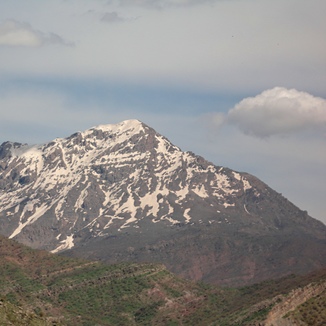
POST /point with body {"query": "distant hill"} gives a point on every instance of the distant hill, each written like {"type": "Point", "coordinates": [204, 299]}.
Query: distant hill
{"type": "Point", "coordinates": [38, 288]}
{"type": "Point", "coordinates": [123, 192]}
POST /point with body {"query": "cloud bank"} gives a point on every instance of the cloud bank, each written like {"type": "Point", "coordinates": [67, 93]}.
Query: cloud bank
{"type": "Point", "coordinates": [14, 33]}
{"type": "Point", "coordinates": [278, 111]}
{"type": "Point", "coordinates": [188, 44]}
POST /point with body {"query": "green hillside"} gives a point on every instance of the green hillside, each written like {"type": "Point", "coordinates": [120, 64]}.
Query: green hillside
{"type": "Point", "coordinates": [38, 288]}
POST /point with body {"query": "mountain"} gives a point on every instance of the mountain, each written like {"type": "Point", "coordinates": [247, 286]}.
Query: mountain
{"type": "Point", "coordinates": [125, 193]}
{"type": "Point", "coordinates": [39, 288]}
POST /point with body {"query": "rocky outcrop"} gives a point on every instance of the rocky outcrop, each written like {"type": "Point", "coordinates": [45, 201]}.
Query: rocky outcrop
{"type": "Point", "coordinates": [278, 316]}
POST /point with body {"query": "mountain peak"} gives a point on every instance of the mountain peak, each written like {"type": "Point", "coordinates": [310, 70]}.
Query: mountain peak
{"type": "Point", "coordinates": [128, 183]}
{"type": "Point", "coordinates": [126, 126]}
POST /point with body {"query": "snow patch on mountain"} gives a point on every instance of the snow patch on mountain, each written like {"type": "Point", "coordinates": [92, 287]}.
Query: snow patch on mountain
{"type": "Point", "coordinates": [110, 177]}
{"type": "Point", "coordinates": [38, 212]}
{"type": "Point", "coordinates": [68, 243]}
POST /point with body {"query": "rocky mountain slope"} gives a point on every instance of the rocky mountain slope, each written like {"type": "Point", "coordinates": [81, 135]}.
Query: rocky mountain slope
{"type": "Point", "coordinates": [125, 193]}
{"type": "Point", "coordinates": [38, 288]}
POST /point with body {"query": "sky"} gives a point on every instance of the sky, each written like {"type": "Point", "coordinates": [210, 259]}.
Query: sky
{"type": "Point", "coordinates": [239, 82]}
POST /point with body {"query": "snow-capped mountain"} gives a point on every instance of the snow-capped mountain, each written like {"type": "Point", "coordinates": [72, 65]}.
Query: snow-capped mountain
{"type": "Point", "coordinates": [123, 191]}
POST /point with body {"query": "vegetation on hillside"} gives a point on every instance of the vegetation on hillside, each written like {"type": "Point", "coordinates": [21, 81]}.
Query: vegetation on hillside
{"type": "Point", "coordinates": [38, 288]}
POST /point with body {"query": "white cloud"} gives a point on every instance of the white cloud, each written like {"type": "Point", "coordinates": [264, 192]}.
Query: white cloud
{"type": "Point", "coordinates": [14, 33]}
{"type": "Point", "coordinates": [278, 111]}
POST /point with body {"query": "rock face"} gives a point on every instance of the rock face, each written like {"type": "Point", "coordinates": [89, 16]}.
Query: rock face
{"type": "Point", "coordinates": [124, 192]}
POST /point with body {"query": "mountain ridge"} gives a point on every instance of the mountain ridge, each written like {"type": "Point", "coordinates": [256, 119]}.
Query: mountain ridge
{"type": "Point", "coordinates": [124, 192]}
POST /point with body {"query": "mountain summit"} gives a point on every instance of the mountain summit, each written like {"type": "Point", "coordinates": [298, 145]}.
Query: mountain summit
{"type": "Point", "coordinates": [124, 192]}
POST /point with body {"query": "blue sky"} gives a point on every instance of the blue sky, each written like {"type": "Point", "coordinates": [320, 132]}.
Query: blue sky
{"type": "Point", "coordinates": [241, 83]}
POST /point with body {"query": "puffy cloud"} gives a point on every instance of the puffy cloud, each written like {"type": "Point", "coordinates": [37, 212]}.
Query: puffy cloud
{"type": "Point", "coordinates": [278, 111]}
{"type": "Point", "coordinates": [14, 33]}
